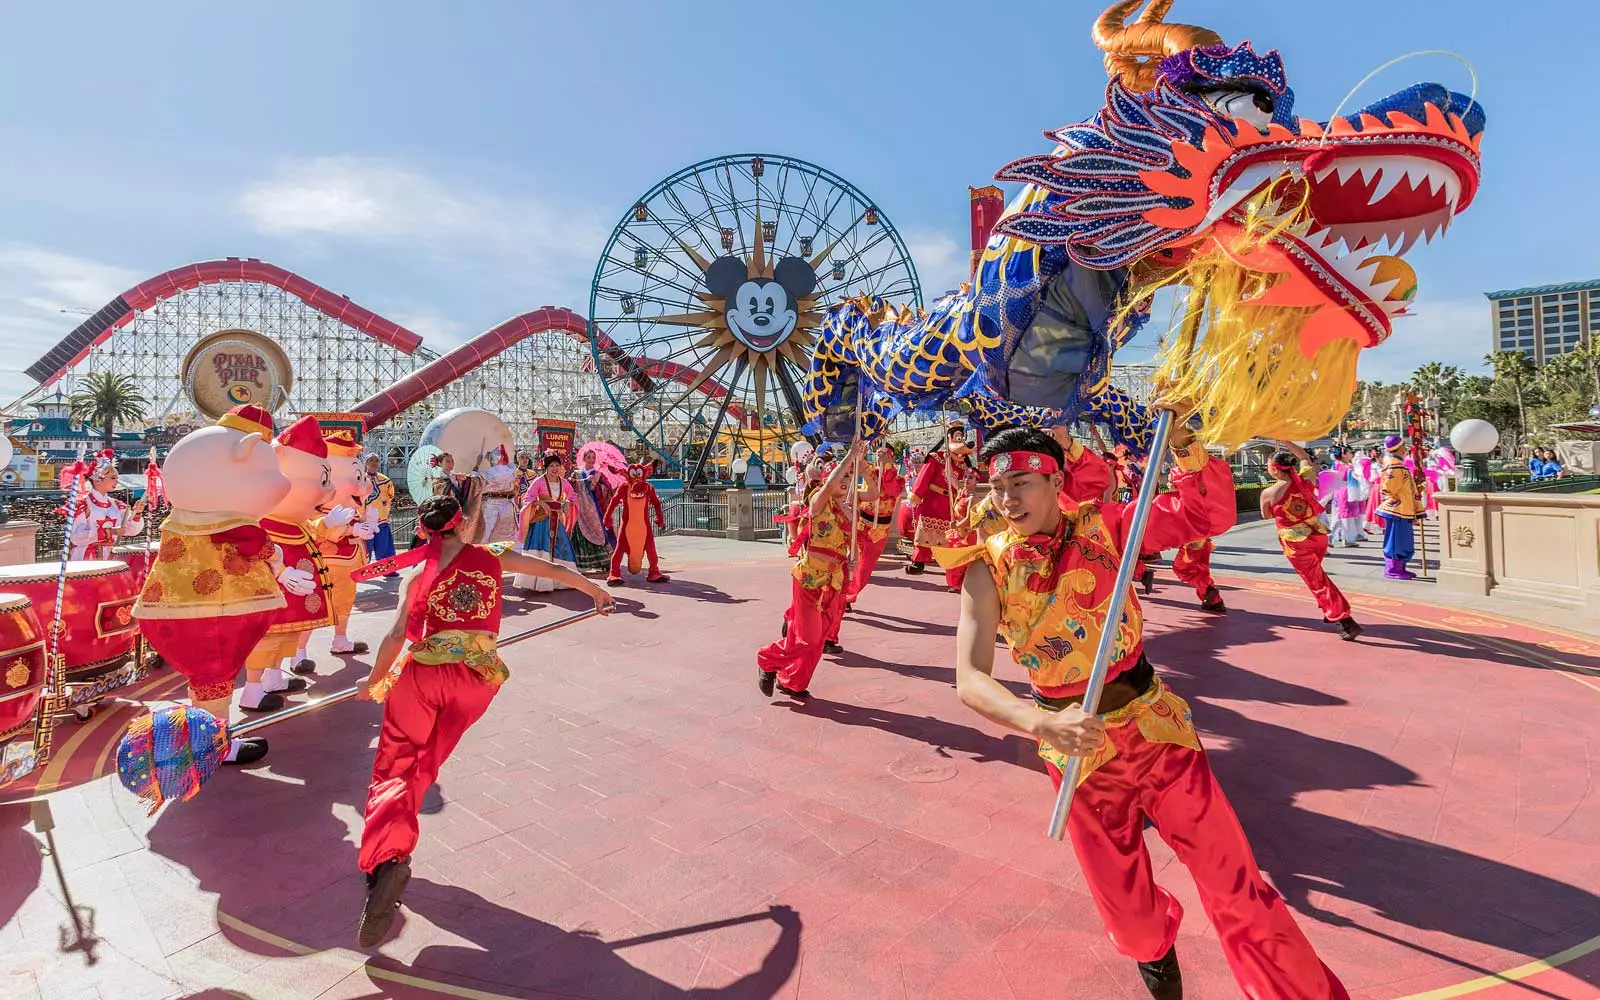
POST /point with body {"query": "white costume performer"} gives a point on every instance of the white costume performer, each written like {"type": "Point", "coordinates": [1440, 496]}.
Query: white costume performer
{"type": "Point", "coordinates": [101, 522]}
{"type": "Point", "coordinates": [499, 499]}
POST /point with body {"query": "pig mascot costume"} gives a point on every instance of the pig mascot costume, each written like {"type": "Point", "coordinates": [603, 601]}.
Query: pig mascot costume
{"type": "Point", "coordinates": [307, 590]}
{"type": "Point", "coordinates": [341, 537]}
{"type": "Point", "coordinates": [211, 593]}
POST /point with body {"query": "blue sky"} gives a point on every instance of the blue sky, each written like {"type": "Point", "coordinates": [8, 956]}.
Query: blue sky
{"type": "Point", "coordinates": [449, 165]}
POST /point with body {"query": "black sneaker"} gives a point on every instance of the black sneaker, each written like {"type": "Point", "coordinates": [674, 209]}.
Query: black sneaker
{"type": "Point", "coordinates": [832, 647]}
{"type": "Point", "coordinates": [914, 568]}
{"type": "Point", "coordinates": [1147, 580]}
{"type": "Point", "coordinates": [304, 667]}
{"type": "Point", "coordinates": [1162, 977]}
{"type": "Point", "coordinates": [1212, 602]}
{"type": "Point", "coordinates": [251, 750]}
{"type": "Point", "coordinates": [1351, 629]}
{"type": "Point", "coordinates": [765, 679]}
{"type": "Point", "coordinates": [384, 886]}
{"type": "Point", "coordinates": [270, 702]}
{"type": "Point", "coordinates": [792, 693]}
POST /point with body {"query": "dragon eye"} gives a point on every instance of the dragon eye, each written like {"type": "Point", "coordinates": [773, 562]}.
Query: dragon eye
{"type": "Point", "coordinates": [1264, 102]}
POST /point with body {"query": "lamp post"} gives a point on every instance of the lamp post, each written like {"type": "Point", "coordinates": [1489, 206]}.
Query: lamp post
{"type": "Point", "coordinates": [739, 468]}
{"type": "Point", "coordinates": [1474, 440]}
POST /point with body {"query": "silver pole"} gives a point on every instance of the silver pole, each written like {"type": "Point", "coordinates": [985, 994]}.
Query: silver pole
{"type": "Point", "coordinates": [333, 699]}
{"type": "Point", "coordinates": [1119, 600]}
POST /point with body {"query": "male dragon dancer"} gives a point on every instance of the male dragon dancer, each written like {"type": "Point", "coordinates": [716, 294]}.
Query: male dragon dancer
{"type": "Point", "coordinates": [879, 496]}
{"type": "Point", "coordinates": [1047, 589]}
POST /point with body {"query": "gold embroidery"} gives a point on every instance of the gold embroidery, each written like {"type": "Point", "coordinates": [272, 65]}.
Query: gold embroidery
{"type": "Point", "coordinates": [1162, 717]}
{"type": "Point", "coordinates": [459, 598]}
{"type": "Point", "coordinates": [18, 673]}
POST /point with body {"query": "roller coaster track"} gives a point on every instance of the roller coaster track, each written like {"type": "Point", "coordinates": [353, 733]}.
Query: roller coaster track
{"type": "Point", "coordinates": [409, 390]}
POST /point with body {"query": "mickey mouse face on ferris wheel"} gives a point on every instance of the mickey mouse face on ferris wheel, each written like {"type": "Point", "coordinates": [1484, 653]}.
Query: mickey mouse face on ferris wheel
{"type": "Point", "coordinates": [761, 312]}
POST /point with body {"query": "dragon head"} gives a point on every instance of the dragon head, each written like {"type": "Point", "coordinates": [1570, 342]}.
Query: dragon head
{"type": "Point", "coordinates": [1197, 155]}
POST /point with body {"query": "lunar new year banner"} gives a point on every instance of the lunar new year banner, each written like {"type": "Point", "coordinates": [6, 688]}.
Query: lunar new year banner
{"type": "Point", "coordinates": [558, 436]}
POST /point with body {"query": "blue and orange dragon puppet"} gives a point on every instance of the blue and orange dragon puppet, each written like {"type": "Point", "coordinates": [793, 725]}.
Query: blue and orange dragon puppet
{"type": "Point", "coordinates": [1283, 237]}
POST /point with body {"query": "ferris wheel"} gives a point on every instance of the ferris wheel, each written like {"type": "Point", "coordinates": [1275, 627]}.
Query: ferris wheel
{"type": "Point", "coordinates": [705, 298]}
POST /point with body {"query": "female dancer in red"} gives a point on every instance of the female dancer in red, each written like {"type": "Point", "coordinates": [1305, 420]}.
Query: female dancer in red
{"type": "Point", "coordinates": [823, 547]}
{"type": "Point", "coordinates": [447, 620]}
{"type": "Point", "coordinates": [1292, 503]}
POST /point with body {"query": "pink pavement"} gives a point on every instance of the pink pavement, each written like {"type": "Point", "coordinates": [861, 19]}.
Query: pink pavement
{"type": "Point", "coordinates": [632, 819]}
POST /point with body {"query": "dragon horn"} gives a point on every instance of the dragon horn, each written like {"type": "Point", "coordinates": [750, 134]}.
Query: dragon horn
{"type": "Point", "coordinates": [1124, 44]}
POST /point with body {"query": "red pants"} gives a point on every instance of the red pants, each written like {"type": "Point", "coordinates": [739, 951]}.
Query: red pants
{"type": "Point", "coordinates": [952, 577]}
{"type": "Point", "coordinates": [1192, 565]}
{"type": "Point", "coordinates": [867, 560]}
{"type": "Point", "coordinates": [795, 656]}
{"type": "Point", "coordinates": [425, 715]}
{"type": "Point", "coordinates": [1306, 558]}
{"type": "Point", "coordinates": [1173, 786]}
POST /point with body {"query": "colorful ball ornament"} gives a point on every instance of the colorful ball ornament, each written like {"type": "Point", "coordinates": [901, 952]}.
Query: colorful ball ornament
{"type": "Point", "coordinates": [168, 754]}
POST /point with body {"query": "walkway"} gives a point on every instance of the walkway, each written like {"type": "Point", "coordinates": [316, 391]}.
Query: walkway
{"type": "Point", "coordinates": [632, 820]}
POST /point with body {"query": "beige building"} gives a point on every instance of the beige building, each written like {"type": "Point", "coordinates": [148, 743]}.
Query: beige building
{"type": "Point", "coordinates": [1545, 321]}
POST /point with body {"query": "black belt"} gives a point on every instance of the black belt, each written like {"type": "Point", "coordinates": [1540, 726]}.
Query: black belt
{"type": "Point", "coordinates": [877, 518]}
{"type": "Point", "coordinates": [1119, 691]}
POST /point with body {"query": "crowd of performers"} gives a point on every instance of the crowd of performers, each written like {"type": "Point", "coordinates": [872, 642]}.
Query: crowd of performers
{"type": "Point", "coordinates": [1035, 561]}
{"type": "Point", "coordinates": [589, 518]}
{"type": "Point", "coordinates": [253, 560]}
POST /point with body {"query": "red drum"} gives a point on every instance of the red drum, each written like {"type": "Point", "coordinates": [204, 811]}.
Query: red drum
{"type": "Point", "coordinates": [98, 629]}
{"type": "Point", "coordinates": [21, 664]}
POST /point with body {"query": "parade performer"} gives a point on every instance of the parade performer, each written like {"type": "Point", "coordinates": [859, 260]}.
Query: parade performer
{"type": "Point", "coordinates": [100, 521]}
{"type": "Point", "coordinates": [592, 486]}
{"type": "Point", "coordinates": [1372, 466]}
{"type": "Point", "coordinates": [639, 504]}
{"type": "Point", "coordinates": [465, 488]}
{"type": "Point", "coordinates": [1291, 502]}
{"type": "Point", "coordinates": [939, 486]}
{"type": "Point", "coordinates": [307, 588]}
{"type": "Point", "coordinates": [1348, 503]}
{"type": "Point", "coordinates": [210, 595]}
{"type": "Point", "coordinates": [548, 514]}
{"type": "Point", "coordinates": [1046, 590]}
{"type": "Point", "coordinates": [436, 672]}
{"type": "Point", "coordinates": [500, 497]}
{"type": "Point", "coordinates": [380, 501]}
{"type": "Point", "coordinates": [816, 588]}
{"type": "Point", "coordinates": [1399, 508]}
{"type": "Point", "coordinates": [342, 545]}
{"type": "Point", "coordinates": [876, 502]}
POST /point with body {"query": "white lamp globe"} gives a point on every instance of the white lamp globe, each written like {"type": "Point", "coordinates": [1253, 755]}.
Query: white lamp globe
{"type": "Point", "coordinates": [1474, 437]}
{"type": "Point", "coordinates": [740, 466]}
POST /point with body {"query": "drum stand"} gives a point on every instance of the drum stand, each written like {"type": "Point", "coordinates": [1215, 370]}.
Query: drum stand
{"type": "Point", "coordinates": [19, 759]}
{"type": "Point", "coordinates": [83, 700]}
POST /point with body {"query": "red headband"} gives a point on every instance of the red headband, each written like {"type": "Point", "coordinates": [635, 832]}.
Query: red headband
{"type": "Point", "coordinates": [1022, 461]}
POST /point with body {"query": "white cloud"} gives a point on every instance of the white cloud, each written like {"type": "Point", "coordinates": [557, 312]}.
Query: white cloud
{"type": "Point", "coordinates": [36, 285]}
{"type": "Point", "coordinates": [436, 331]}
{"type": "Point", "coordinates": [941, 262]}
{"type": "Point", "coordinates": [386, 203]}
{"type": "Point", "coordinates": [1450, 331]}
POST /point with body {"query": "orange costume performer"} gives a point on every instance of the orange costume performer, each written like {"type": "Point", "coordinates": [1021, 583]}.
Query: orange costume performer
{"type": "Point", "coordinates": [439, 687]}
{"type": "Point", "coordinates": [635, 540]}
{"type": "Point", "coordinates": [1054, 591]}
{"type": "Point", "coordinates": [1305, 542]}
{"type": "Point", "coordinates": [873, 521]}
{"type": "Point", "coordinates": [821, 548]}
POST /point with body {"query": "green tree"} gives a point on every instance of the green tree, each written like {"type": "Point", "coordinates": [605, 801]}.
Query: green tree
{"type": "Point", "coordinates": [1514, 369]}
{"type": "Point", "coordinates": [108, 399]}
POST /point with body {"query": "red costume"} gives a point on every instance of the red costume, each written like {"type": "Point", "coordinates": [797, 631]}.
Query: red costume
{"type": "Point", "coordinates": [1054, 593]}
{"type": "Point", "coordinates": [817, 598]}
{"type": "Point", "coordinates": [872, 527]}
{"type": "Point", "coordinates": [1305, 542]}
{"type": "Point", "coordinates": [635, 540]}
{"type": "Point", "coordinates": [441, 685]}
{"type": "Point", "coordinates": [940, 506]}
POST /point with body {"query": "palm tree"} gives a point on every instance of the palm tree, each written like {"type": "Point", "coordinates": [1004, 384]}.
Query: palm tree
{"type": "Point", "coordinates": [108, 399]}
{"type": "Point", "coordinates": [1516, 368]}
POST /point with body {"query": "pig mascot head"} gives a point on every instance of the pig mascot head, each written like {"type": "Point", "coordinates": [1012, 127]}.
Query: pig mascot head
{"type": "Point", "coordinates": [303, 457]}
{"type": "Point", "coordinates": [227, 468]}
{"type": "Point", "coordinates": [351, 485]}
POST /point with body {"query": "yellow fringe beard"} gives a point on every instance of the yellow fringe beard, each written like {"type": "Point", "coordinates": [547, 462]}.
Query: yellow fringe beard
{"type": "Point", "coordinates": [1242, 365]}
